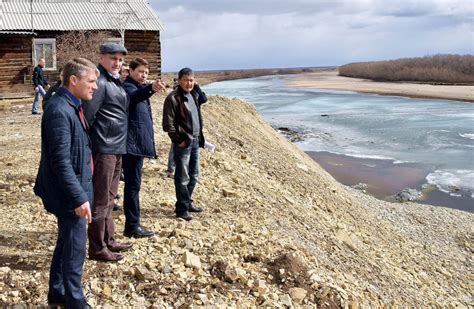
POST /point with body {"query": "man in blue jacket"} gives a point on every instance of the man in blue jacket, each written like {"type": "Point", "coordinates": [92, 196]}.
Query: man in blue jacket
{"type": "Point", "coordinates": [140, 142]}
{"type": "Point", "coordinates": [40, 82]}
{"type": "Point", "coordinates": [64, 180]}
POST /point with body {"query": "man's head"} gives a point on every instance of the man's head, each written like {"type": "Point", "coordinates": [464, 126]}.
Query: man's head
{"type": "Point", "coordinates": [139, 69]}
{"type": "Point", "coordinates": [124, 71]}
{"type": "Point", "coordinates": [79, 77]}
{"type": "Point", "coordinates": [112, 56]}
{"type": "Point", "coordinates": [42, 62]}
{"type": "Point", "coordinates": [186, 79]}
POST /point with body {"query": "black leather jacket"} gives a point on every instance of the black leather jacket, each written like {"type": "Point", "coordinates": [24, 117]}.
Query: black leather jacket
{"type": "Point", "coordinates": [107, 114]}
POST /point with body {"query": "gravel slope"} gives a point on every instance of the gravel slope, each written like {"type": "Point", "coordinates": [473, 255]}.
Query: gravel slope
{"type": "Point", "coordinates": [277, 231]}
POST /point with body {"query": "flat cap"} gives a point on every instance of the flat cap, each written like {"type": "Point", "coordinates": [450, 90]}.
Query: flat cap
{"type": "Point", "coordinates": [112, 48]}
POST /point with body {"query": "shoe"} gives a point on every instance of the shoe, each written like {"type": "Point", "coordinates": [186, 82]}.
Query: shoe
{"type": "Point", "coordinates": [36, 113]}
{"type": "Point", "coordinates": [185, 216]}
{"type": "Point", "coordinates": [194, 208]}
{"type": "Point", "coordinates": [106, 255]}
{"type": "Point", "coordinates": [56, 303]}
{"type": "Point", "coordinates": [138, 232]}
{"type": "Point", "coordinates": [119, 247]}
{"type": "Point", "coordinates": [116, 207]}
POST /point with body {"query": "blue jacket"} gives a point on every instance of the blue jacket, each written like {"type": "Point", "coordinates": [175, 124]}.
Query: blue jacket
{"type": "Point", "coordinates": [140, 138]}
{"type": "Point", "coordinates": [38, 77]}
{"type": "Point", "coordinates": [64, 179]}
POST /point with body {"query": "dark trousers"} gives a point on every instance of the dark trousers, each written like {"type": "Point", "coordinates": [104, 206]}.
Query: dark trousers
{"type": "Point", "coordinates": [105, 182]}
{"type": "Point", "coordinates": [186, 174]}
{"type": "Point", "coordinates": [65, 275]}
{"type": "Point", "coordinates": [132, 171]}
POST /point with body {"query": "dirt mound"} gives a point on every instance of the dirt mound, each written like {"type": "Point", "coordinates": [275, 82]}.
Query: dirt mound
{"type": "Point", "coordinates": [276, 231]}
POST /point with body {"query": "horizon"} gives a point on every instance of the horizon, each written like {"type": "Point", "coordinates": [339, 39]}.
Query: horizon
{"type": "Point", "coordinates": [228, 35]}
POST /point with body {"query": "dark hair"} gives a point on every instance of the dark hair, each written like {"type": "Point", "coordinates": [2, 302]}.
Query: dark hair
{"type": "Point", "coordinates": [135, 63]}
{"type": "Point", "coordinates": [78, 67]}
{"type": "Point", "coordinates": [185, 71]}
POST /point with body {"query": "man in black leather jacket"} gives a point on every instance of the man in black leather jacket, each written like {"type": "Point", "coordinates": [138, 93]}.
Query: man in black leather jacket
{"type": "Point", "coordinates": [107, 114]}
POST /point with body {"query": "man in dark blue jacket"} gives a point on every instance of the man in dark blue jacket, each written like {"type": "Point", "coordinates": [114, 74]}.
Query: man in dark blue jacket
{"type": "Point", "coordinates": [40, 82]}
{"type": "Point", "coordinates": [64, 180]}
{"type": "Point", "coordinates": [140, 143]}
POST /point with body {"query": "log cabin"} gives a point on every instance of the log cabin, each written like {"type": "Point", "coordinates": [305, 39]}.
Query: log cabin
{"type": "Point", "coordinates": [30, 30]}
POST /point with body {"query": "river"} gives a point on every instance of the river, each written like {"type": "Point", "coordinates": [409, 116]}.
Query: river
{"type": "Point", "coordinates": [435, 137]}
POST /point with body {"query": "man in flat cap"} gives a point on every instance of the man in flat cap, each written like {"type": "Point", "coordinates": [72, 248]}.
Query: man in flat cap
{"type": "Point", "coordinates": [107, 115]}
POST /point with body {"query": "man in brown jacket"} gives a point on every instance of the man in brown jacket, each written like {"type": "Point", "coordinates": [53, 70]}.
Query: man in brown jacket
{"type": "Point", "coordinates": [182, 120]}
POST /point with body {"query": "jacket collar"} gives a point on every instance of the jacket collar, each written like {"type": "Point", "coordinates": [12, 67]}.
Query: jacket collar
{"type": "Point", "coordinates": [65, 93]}
{"type": "Point", "coordinates": [182, 93]}
{"type": "Point", "coordinates": [76, 101]}
{"type": "Point", "coordinates": [132, 81]}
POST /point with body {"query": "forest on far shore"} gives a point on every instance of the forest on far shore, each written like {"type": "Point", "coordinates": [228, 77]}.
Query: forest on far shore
{"type": "Point", "coordinates": [437, 69]}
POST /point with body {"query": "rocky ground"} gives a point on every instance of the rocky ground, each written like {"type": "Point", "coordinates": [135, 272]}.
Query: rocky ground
{"type": "Point", "coordinates": [277, 231]}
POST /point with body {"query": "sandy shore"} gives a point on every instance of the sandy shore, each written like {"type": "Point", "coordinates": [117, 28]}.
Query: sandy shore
{"type": "Point", "coordinates": [331, 80]}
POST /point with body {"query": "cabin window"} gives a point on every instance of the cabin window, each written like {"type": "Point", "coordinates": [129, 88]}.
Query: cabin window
{"type": "Point", "coordinates": [45, 48]}
{"type": "Point", "coordinates": [113, 40]}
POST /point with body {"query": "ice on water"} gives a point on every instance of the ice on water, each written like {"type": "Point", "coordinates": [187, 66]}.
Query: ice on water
{"type": "Point", "coordinates": [434, 132]}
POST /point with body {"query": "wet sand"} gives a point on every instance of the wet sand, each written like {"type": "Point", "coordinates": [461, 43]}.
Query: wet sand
{"type": "Point", "coordinates": [331, 80]}
{"type": "Point", "coordinates": [385, 179]}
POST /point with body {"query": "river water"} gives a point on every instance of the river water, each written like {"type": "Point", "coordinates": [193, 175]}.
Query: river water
{"type": "Point", "coordinates": [437, 134]}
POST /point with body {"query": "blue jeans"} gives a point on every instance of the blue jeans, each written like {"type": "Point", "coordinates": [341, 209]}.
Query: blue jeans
{"type": "Point", "coordinates": [186, 174]}
{"type": "Point", "coordinates": [41, 92]}
{"type": "Point", "coordinates": [171, 165]}
{"type": "Point", "coordinates": [132, 171]}
{"type": "Point", "coordinates": [65, 275]}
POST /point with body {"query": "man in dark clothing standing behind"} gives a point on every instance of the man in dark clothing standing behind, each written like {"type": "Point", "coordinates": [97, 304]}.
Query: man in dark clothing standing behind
{"type": "Point", "coordinates": [183, 121]}
{"type": "Point", "coordinates": [107, 115]}
{"type": "Point", "coordinates": [64, 180]}
{"type": "Point", "coordinates": [140, 143]}
{"type": "Point", "coordinates": [40, 82]}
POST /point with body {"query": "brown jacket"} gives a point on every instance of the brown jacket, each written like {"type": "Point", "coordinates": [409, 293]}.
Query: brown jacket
{"type": "Point", "coordinates": [177, 119]}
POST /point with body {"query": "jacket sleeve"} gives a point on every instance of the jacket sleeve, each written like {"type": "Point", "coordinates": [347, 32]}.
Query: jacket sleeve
{"type": "Point", "coordinates": [91, 107]}
{"type": "Point", "coordinates": [36, 73]}
{"type": "Point", "coordinates": [58, 138]}
{"type": "Point", "coordinates": [202, 98]}
{"type": "Point", "coordinates": [137, 95]}
{"type": "Point", "coordinates": [51, 91]}
{"type": "Point", "coordinates": [169, 120]}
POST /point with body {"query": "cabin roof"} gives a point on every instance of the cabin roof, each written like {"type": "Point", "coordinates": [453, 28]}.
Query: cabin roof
{"type": "Point", "coordinates": [70, 15]}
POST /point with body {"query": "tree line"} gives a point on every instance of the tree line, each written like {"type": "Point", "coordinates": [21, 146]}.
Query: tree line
{"type": "Point", "coordinates": [444, 69]}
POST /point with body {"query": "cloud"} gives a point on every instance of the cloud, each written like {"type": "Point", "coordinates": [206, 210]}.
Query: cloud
{"type": "Point", "coordinates": [243, 34]}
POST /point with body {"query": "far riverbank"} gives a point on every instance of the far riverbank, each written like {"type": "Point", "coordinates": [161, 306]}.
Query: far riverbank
{"type": "Point", "coordinates": [329, 79]}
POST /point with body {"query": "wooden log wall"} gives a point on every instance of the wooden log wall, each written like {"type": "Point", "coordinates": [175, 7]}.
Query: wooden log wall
{"type": "Point", "coordinates": [16, 59]}
{"type": "Point", "coordinates": [145, 44]}
{"type": "Point", "coordinates": [15, 66]}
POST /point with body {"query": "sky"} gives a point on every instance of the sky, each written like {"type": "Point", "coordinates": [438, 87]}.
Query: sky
{"type": "Point", "coordinates": [240, 34]}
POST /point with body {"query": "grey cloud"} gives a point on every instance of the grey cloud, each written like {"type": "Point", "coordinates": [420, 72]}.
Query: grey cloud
{"type": "Point", "coordinates": [237, 37]}
{"type": "Point", "coordinates": [259, 7]}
